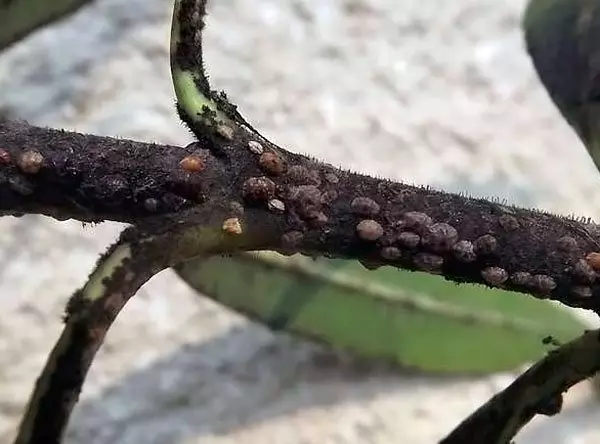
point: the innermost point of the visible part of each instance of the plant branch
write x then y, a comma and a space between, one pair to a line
126, 266
233, 190
90, 178
91, 312
300, 205
538, 391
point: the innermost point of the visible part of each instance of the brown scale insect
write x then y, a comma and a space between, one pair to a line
369, 230
307, 200
258, 189
416, 221
232, 226
543, 284
5, 157
408, 239
521, 279
593, 259
276, 206
225, 131
271, 164
464, 251
255, 147
30, 162
486, 244
192, 164
439, 237
495, 276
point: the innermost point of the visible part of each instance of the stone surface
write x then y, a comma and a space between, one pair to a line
437, 93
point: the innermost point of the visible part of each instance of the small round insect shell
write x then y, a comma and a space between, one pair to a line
276, 205
30, 162
232, 226
521, 279
486, 244
416, 221
369, 230
439, 237
225, 131
4, 157
365, 206
255, 147
593, 259
543, 284
494, 276
272, 163
258, 189
464, 251
192, 164
408, 239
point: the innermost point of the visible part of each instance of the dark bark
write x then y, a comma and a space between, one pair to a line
304, 205
538, 391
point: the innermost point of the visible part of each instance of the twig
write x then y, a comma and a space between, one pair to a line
127, 265
91, 312
538, 391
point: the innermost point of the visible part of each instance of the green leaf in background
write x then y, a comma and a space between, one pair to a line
18, 18
413, 319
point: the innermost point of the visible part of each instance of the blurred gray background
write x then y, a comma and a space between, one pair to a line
428, 92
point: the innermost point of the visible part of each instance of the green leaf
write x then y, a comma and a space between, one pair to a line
18, 18
413, 319
562, 38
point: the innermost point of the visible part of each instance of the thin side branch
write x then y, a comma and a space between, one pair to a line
127, 265
92, 311
538, 391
